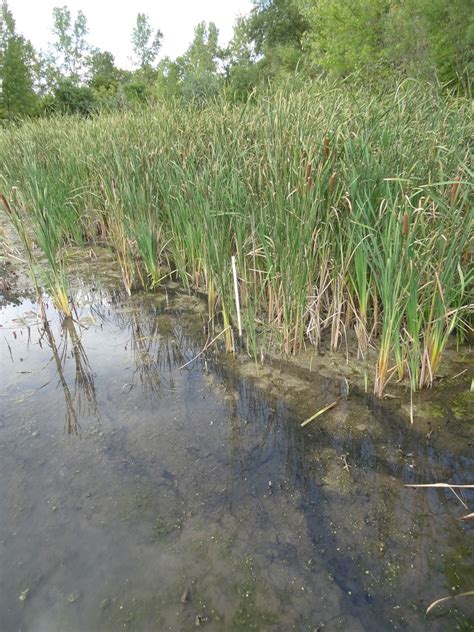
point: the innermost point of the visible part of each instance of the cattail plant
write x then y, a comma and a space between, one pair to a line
338, 203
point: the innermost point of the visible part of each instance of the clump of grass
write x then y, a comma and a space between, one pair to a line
345, 210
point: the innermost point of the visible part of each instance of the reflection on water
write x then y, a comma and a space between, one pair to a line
187, 497
84, 390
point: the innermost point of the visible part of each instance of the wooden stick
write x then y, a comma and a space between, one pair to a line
320, 412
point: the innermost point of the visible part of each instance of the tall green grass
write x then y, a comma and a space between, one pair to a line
347, 211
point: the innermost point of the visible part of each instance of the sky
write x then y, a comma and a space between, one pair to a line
111, 22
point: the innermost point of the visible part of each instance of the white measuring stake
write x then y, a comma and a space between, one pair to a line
236, 292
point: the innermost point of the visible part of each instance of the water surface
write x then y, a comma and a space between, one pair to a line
140, 495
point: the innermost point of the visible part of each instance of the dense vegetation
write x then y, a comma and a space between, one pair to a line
347, 209
430, 40
343, 193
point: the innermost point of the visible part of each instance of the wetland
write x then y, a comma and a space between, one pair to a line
146, 485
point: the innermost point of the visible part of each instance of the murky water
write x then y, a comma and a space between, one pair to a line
136, 494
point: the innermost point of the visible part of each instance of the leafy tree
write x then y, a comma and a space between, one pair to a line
201, 86
199, 65
431, 39
196, 74
203, 52
17, 59
275, 23
146, 42
267, 45
240, 62
277, 29
408, 46
169, 78
137, 91
70, 49
106, 80
102, 70
70, 98
346, 35
241, 48
102, 63
47, 74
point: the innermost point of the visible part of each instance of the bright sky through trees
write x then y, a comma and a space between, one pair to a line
111, 22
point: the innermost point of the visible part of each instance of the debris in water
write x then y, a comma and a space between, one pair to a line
346, 464
24, 594
320, 412
186, 596
72, 597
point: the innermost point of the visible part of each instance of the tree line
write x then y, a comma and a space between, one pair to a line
279, 39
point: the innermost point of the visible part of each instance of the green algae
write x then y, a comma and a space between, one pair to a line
462, 406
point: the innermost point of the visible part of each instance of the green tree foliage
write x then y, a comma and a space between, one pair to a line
102, 66
70, 48
70, 98
203, 53
201, 86
427, 39
200, 64
104, 75
146, 42
106, 80
347, 35
169, 78
17, 60
196, 75
240, 62
276, 28
274, 23
431, 39
267, 45
241, 49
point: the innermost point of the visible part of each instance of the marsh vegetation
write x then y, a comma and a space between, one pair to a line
228, 281
349, 213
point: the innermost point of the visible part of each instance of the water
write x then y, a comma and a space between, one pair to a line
143, 496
